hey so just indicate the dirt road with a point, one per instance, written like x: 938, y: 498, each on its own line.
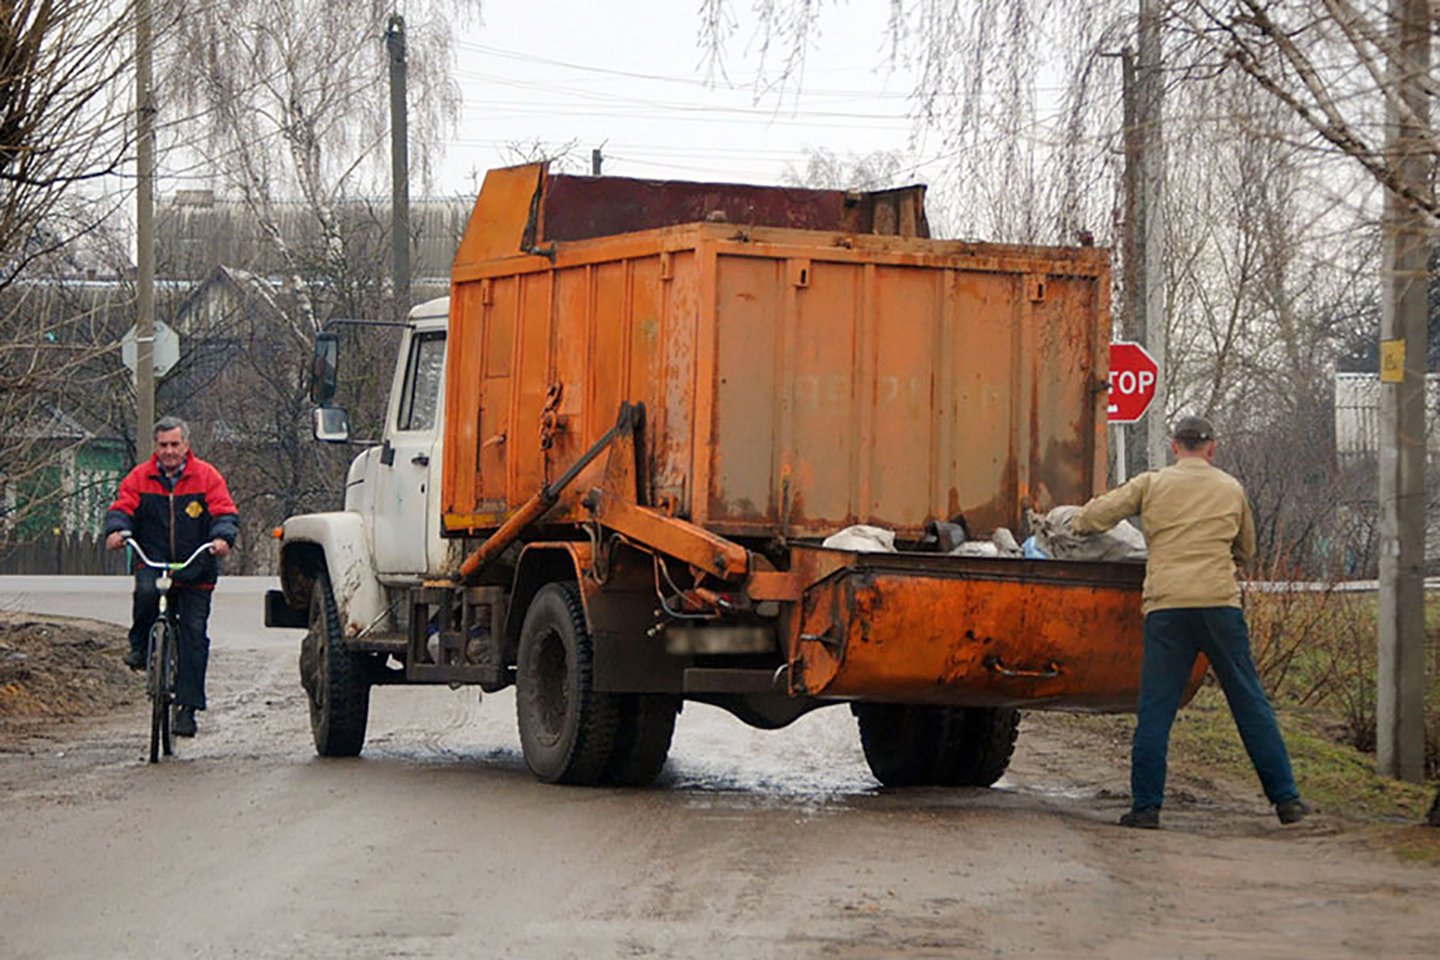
x: 437, y: 843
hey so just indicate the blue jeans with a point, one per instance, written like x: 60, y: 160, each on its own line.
x: 194, y: 648
x: 1173, y: 638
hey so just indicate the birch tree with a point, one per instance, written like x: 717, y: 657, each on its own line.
x: 63, y: 114
x: 64, y: 107
x: 287, y: 101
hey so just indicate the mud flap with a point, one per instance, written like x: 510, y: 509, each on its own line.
x: 279, y: 613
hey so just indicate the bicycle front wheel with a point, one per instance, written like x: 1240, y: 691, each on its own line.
x: 160, y: 683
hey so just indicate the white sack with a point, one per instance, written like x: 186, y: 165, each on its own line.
x: 1054, y: 536
x: 862, y: 539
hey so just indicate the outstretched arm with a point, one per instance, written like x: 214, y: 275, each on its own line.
x: 1108, y: 509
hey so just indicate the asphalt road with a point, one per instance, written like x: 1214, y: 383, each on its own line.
x: 436, y: 842
x: 237, y: 616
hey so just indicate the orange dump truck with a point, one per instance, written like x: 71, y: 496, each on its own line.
x: 612, y: 456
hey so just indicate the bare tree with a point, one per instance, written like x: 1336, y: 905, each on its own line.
x: 1328, y: 62
x: 283, y: 108
x: 562, y: 157
x: 826, y: 170
x: 62, y: 119
x: 63, y: 112
x: 1027, y: 126
x: 1275, y: 121
x: 981, y: 67
x: 287, y: 101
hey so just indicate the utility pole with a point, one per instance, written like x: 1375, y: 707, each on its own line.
x: 1130, y: 453
x: 1143, y: 445
x: 399, y: 168
x: 1400, y: 700
x: 1151, y: 216
x: 144, y: 235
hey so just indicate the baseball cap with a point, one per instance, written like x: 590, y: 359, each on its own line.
x: 1194, y: 429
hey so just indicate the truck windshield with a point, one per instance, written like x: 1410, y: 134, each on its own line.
x: 421, y: 398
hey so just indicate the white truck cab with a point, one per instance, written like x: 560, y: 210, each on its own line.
x: 387, y: 537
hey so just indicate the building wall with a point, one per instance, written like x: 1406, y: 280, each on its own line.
x: 1357, y: 414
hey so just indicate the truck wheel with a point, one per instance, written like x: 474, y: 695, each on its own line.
x: 911, y: 746
x: 567, y: 730
x: 335, y: 679
x: 977, y: 746
x: 642, y: 739
x: 901, y: 742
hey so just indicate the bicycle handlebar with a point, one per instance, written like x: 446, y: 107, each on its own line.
x: 168, y: 566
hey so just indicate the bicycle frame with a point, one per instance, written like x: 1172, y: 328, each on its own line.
x: 162, y: 658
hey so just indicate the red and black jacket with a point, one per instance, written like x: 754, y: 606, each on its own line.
x: 171, y: 516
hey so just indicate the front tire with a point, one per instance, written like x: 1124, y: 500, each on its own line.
x: 567, y: 730
x: 335, y: 679
x: 161, y: 682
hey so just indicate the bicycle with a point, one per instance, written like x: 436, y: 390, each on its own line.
x: 162, y: 655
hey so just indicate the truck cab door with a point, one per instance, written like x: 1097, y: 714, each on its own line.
x: 406, y: 511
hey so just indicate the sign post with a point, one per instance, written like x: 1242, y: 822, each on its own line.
x: 1134, y: 377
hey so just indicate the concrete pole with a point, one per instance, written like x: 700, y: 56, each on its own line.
x: 144, y: 235
x: 1400, y: 700
x: 1151, y: 214
x: 399, y: 167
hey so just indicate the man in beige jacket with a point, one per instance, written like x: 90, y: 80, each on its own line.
x: 1198, y: 528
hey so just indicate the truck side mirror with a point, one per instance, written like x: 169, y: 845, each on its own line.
x: 324, y: 368
x: 331, y: 424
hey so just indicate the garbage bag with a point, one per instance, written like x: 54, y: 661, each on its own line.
x: 1055, y: 538
x: 862, y: 539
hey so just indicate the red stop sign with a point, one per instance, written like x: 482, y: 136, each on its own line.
x: 1134, y: 375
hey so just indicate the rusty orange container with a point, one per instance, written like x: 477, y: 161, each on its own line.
x: 795, y: 380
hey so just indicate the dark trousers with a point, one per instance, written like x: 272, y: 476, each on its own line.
x: 194, y: 608
x: 1173, y: 638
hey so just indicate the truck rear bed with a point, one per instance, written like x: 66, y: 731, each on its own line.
x: 972, y: 632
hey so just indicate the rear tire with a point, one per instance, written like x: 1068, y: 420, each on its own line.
x: 910, y: 746
x: 567, y: 730
x: 336, y: 679
x: 979, y: 746
x: 901, y: 742
x: 642, y: 740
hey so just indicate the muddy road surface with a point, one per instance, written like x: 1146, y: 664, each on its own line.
x: 436, y: 842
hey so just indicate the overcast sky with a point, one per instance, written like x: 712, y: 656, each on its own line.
x: 629, y: 77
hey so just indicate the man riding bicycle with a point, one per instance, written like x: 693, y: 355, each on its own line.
x: 171, y: 504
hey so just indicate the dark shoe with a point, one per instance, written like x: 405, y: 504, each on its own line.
x: 1147, y: 819
x: 135, y: 659
x: 183, y: 723
x: 1291, y: 811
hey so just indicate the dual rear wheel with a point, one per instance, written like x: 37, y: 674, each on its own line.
x: 911, y: 746
x: 570, y: 732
